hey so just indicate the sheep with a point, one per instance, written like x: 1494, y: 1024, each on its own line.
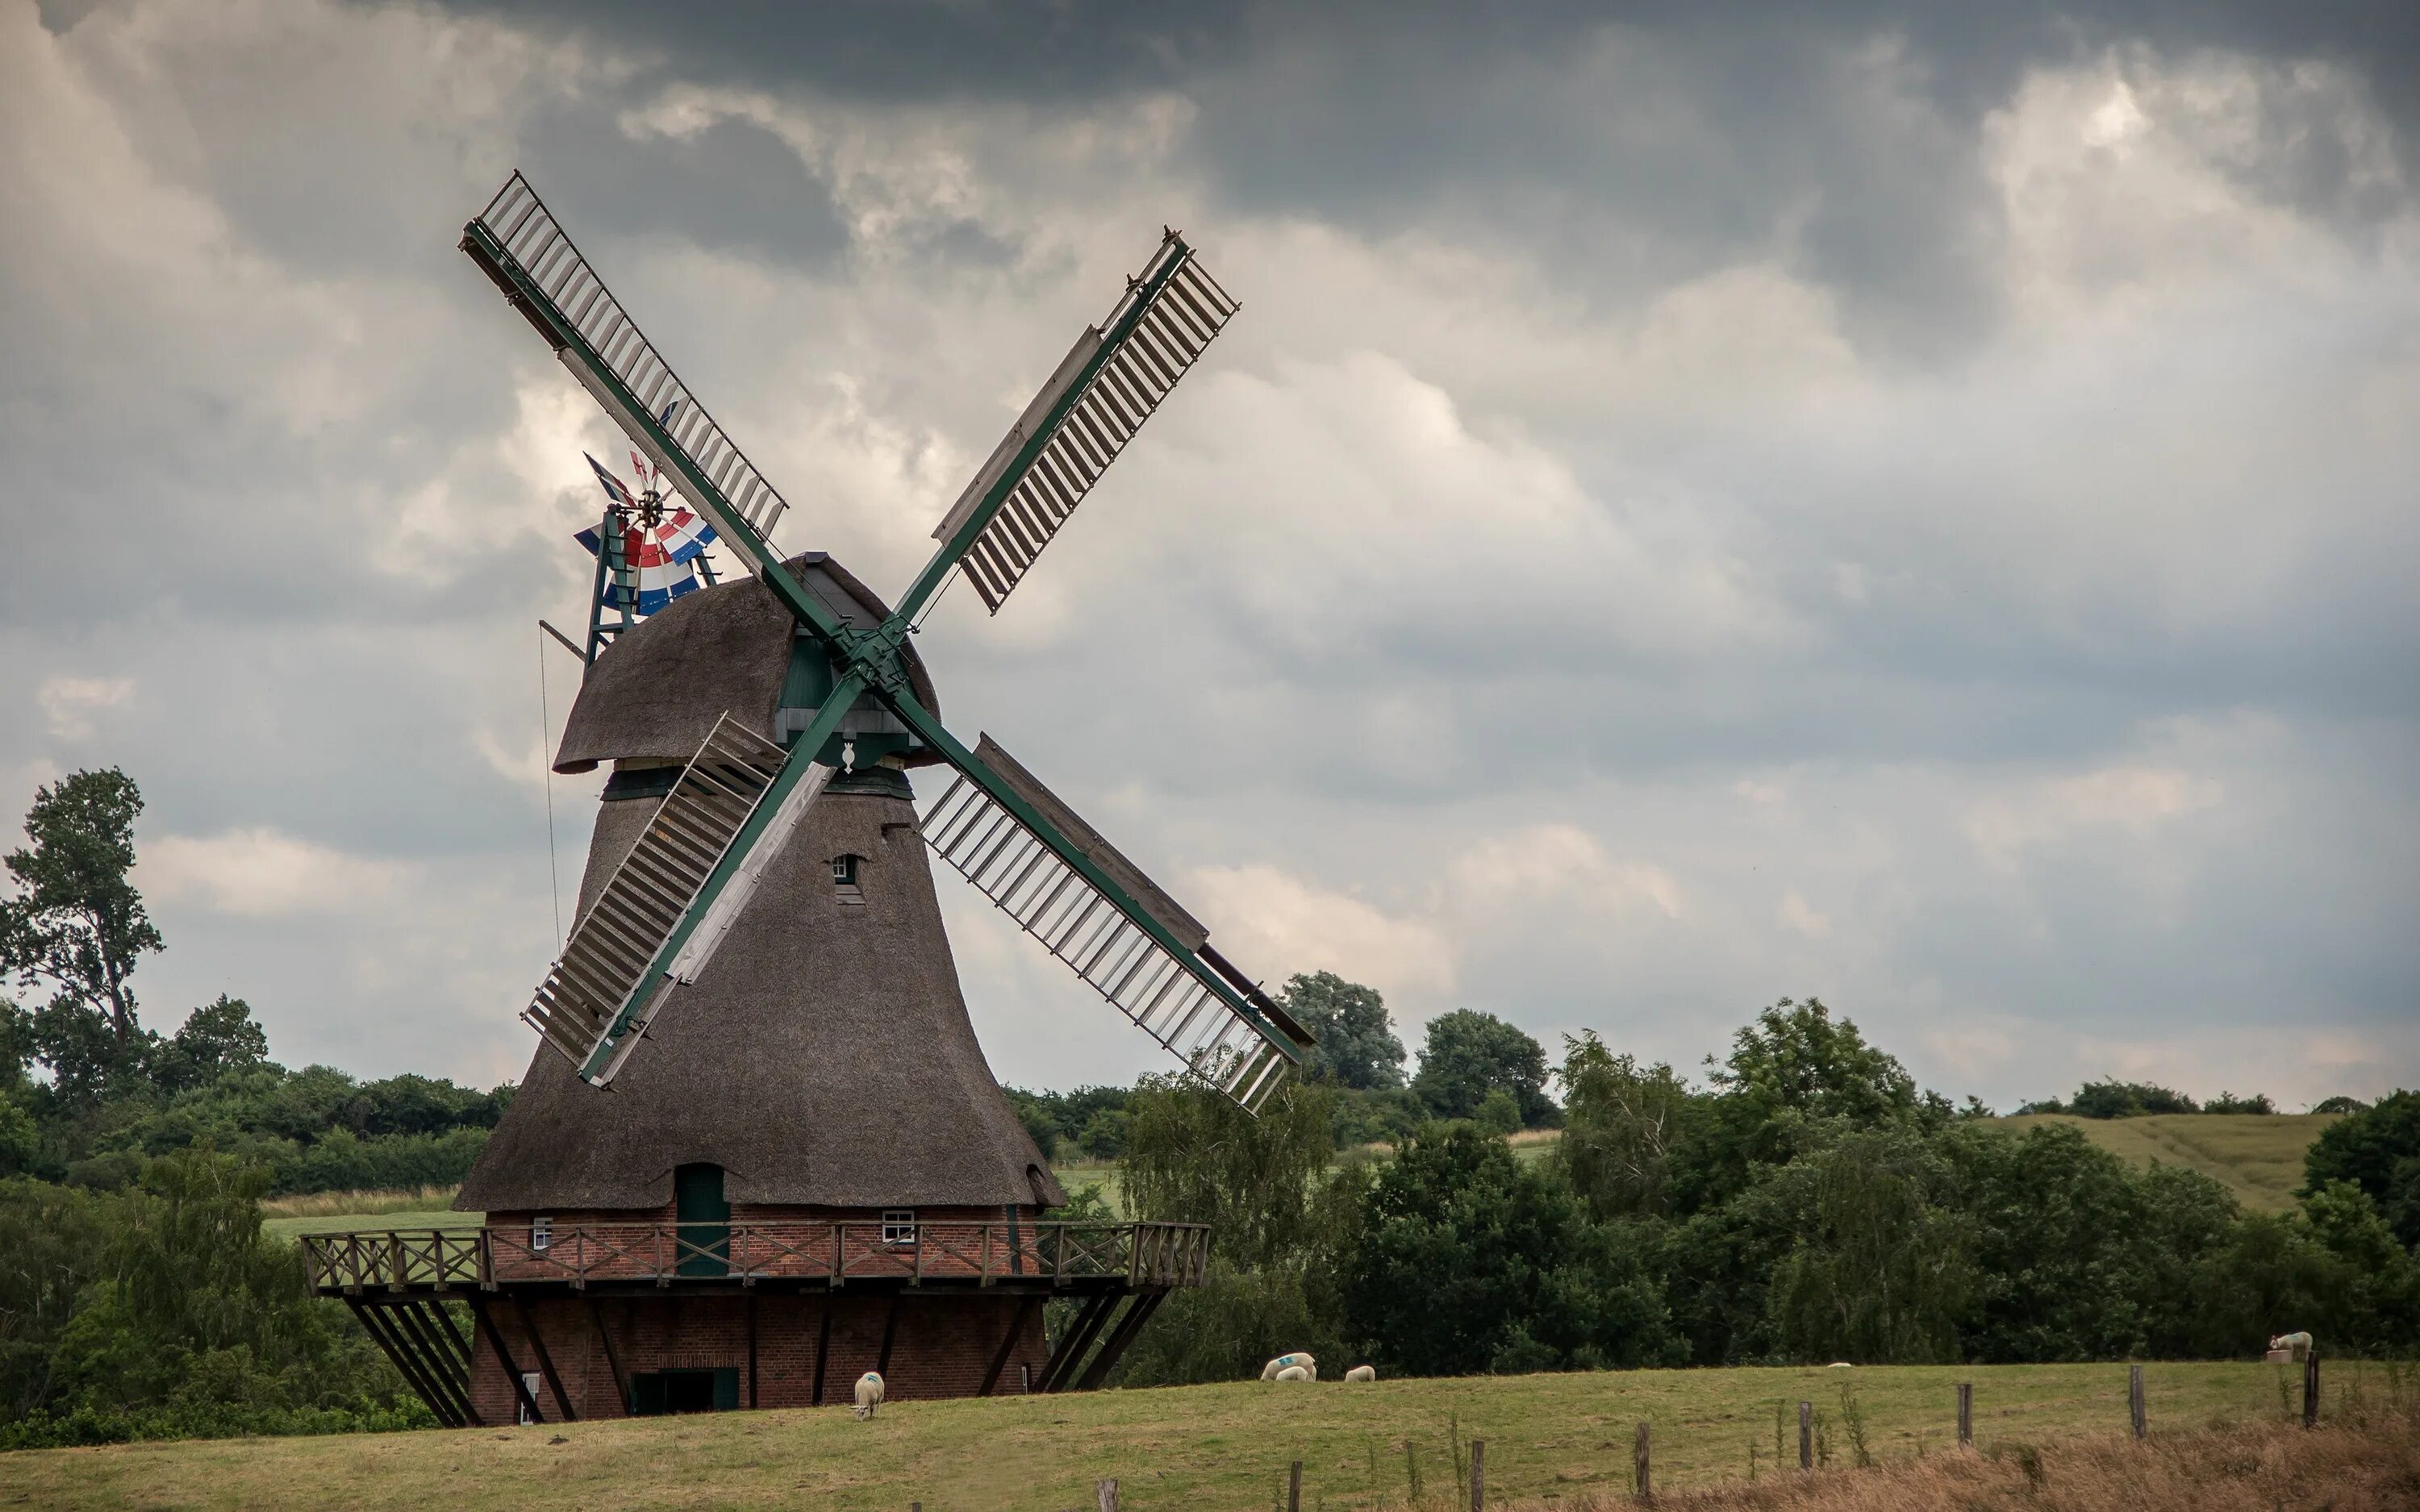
x: 1294, y: 1373
x: 1269, y: 1371
x: 1363, y: 1372
x: 868, y: 1396
x: 2295, y: 1345
x: 1840, y: 1365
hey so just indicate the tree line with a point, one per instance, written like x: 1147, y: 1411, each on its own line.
x: 1805, y: 1201
x: 116, y: 1094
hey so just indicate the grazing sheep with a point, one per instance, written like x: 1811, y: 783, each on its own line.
x: 1294, y: 1373
x: 2295, y: 1345
x: 1363, y: 1372
x: 1269, y: 1371
x: 868, y: 1396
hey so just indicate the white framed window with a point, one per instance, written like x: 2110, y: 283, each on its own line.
x: 843, y: 869
x: 531, y: 1380
x: 899, y: 1226
x: 541, y: 1232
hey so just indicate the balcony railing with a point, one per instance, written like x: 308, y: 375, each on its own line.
x: 835, y: 1253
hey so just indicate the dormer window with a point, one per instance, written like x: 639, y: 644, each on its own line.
x: 843, y: 870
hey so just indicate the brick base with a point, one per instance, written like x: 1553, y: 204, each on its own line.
x: 942, y: 1346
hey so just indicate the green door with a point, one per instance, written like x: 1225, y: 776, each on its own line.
x: 704, y: 1220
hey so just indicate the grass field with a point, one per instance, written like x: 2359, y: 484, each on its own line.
x: 1224, y: 1446
x: 2258, y: 1159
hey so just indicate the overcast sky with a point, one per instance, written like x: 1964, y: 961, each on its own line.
x: 1689, y: 513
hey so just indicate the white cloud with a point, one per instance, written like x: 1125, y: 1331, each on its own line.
x: 1288, y: 925
x: 2133, y: 799
x: 260, y: 872
x: 1797, y: 915
x: 70, y: 702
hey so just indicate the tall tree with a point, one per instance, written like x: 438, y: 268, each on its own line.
x: 1356, y: 1040
x: 1622, y: 1121
x: 2377, y: 1149
x: 80, y: 926
x: 1468, y: 1055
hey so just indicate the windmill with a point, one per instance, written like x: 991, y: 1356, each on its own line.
x: 649, y: 550
x: 758, y: 1130
x: 659, y: 923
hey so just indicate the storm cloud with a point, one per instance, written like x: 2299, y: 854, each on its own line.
x: 1839, y: 502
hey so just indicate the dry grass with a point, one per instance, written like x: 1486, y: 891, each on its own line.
x: 2258, y: 1158
x: 339, y: 1204
x: 2370, y: 1465
x: 1563, y: 1439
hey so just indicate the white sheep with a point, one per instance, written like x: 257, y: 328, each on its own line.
x: 1269, y: 1371
x: 1363, y: 1372
x: 869, y: 1395
x: 2294, y: 1345
x: 1294, y: 1373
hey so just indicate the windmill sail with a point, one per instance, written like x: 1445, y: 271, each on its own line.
x: 596, y: 1002
x: 1165, y: 980
x: 518, y: 241
x: 1104, y: 390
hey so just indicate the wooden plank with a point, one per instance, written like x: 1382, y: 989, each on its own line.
x: 406, y: 1365
x: 434, y: 1361
x: 1139, y: 1311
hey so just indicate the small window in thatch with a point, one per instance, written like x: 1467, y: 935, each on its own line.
x: 899, y: 1226
x: 844, y: 879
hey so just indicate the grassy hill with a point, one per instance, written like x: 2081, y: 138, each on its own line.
x: 1200, y: 1446
x: 2259, y: 1158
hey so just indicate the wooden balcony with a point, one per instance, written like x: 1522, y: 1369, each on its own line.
x: 790, y: 1254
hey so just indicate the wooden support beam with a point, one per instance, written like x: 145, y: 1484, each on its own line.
x: 1079, y: 1339
x: 889, y: 1330
x: 545, y: 1361
x: 823, y: 1348
x: 613, y: 1361
x: 1008, y: 1345
x: 406, y: 1365
x: 454, y: 1329
x: 435, y: 1362
x: 504, y: 1357
x: 1139, y: 1311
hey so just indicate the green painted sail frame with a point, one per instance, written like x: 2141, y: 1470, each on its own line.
x: 865, y: 662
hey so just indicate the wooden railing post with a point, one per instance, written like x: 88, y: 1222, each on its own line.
x: 1966, y: 1413
x: 1638, y: 1458
x: 2134, y: 1401
x: 2311, y: 1387
x: 1478, y: 1474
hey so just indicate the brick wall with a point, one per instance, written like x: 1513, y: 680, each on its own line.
x: 942, y: 1347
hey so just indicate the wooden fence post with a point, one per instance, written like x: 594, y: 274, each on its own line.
x: 1966, y: 1414
x: 1104, y: 1492
x: 1478, y: 1474
x: 1293, y: 1487
x: 1639, y: 1457
x: 2311, y: 1387
x: 2134, y: 1401
x: 1806, y: 1435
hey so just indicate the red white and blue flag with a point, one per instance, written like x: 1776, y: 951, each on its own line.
x: 662, y: 557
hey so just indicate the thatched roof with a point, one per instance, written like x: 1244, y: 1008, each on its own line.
x: 654, y: 693
x: 824, y: 1056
